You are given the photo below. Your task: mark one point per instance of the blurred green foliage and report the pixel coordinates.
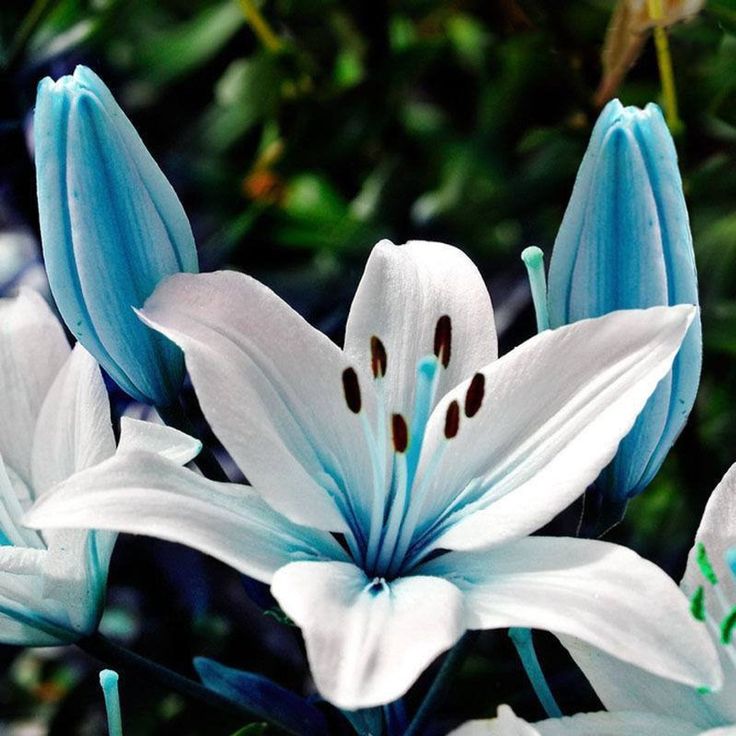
(463, 121)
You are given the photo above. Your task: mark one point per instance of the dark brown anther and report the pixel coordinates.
(443, 339)
(474, 396)
(452, 420)
(399, 433)
(351, 387)
(379, 359)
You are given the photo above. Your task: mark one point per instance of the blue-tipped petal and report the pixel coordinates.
(625, 243)
(112, 228)
(262, 697)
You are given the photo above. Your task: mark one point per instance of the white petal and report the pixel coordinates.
(139, 436)
(622, 686)
(74, 430)
(506, 723)
(552, 417)
(404, 291)
(143, 493)
(271, 388)
(75, 574)
(616, 724)
(32, 350)
(717, 532)
(15, 499)
(724, 731)
(583, 724)
(368, 643)
(26, 617)
(599, 592)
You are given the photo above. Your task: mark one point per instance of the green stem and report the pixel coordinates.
(175, 416)
(33, 19)
(664, 61)
(438, 690)
(260, 26)
(524, 644)
(135, 665)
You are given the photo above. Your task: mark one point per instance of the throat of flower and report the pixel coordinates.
(395, 444)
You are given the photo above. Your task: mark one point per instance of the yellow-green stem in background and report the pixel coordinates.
(664, 60)
(260, 26)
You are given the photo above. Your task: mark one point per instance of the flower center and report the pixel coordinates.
(387, 544)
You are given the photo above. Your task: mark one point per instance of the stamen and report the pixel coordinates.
(452, 420)
(443, 339)
(703, 562)
(109, 685)
(379, 359)
(697, 604)
(475, 394)
(399, 433)
(534, 261)
(727, 626)
(427, 380)
(351, 387)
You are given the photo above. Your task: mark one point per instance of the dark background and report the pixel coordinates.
(458, 121)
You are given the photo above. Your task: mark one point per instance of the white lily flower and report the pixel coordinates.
(583, 724)
(56, 421)
(395, 482)
(631, 693)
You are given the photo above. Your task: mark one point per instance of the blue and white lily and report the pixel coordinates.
(112, 228)
(583, 724)
(625, 243)
(395, 482)
(55, 423)
(635, 696)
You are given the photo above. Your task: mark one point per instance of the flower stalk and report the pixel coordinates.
(438, 690)
(664, 61)
(524, 644)
(125, 660)
(266, 35)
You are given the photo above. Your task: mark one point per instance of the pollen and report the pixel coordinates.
(443, 339)
(697, 604)
(379, 359)
(351, 387)
(399, 433)
(452, 420)
(727, 626)
(474, 396)
(703, 562)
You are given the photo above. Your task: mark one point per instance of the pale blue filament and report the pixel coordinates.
(522, 639)
(109, 684)
(534, 261)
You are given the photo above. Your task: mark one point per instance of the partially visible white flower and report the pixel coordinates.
(630, 693)
(396, 482)
(55, 422)
(583, 724)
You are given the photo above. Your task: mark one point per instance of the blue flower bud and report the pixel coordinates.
(112, 228)
(625, 243)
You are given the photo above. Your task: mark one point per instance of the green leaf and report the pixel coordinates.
(189, 45)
